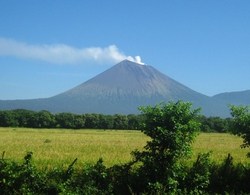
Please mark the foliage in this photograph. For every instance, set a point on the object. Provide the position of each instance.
(120, 122)
(241, 124)
(172, 128)
(203, 177)
(197, 178)
(20, 178)
(69, 120)
(45, 119)
(93, 179)
(228, 177)
(214, 124)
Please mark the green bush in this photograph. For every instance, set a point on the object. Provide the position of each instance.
(172, 128)
(230, 178)
(20, 179)
(197, 177)
(241, 124)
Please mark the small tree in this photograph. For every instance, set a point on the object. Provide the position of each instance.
(172, 128)
(241, 124)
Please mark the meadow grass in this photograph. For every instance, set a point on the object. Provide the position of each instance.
(220, 145)
(53, 147)
(59, 147)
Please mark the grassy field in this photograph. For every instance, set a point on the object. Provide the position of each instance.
(61, 147)
(221, 144)
(58, 148)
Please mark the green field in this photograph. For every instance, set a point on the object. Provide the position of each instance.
(58, 148)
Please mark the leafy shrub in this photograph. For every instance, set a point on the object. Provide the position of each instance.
(230, 178)
(241, 124)
(172, 128)
(93, 179)
(17, 179)
(198, 176)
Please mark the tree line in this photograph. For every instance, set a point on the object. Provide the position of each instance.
(46, 119)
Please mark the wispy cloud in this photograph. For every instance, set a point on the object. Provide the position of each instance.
(63, 54)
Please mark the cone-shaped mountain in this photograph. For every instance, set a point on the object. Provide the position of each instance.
(126, 86)
(129, 79)
(122, 89)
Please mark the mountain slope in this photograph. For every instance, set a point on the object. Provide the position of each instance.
(122, 89)
(129, 78)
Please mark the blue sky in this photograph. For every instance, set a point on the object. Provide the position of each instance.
(48, 47)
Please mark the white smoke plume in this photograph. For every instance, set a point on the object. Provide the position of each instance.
(63, 54)
(138, 60)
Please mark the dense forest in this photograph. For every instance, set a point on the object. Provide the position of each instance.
(45, 119)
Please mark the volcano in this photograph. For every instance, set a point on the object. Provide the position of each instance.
(121, 89)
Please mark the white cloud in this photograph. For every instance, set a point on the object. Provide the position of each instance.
(63, 54)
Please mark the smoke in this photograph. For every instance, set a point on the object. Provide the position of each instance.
(138, 60)
(63, 54)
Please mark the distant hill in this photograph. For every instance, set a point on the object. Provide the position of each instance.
(122, 89)
(235, 98)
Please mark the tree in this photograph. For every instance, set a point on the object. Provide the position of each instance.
(120, 121)
(24, 117)
(214, 124)
(105, 121)
(134, 121)
(91, 121)
(241, 124)
(45, 119)
(65, 120)
(79, 121)
(172, 128)
(8, 119)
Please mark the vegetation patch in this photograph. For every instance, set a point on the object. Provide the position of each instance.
(163, 164)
